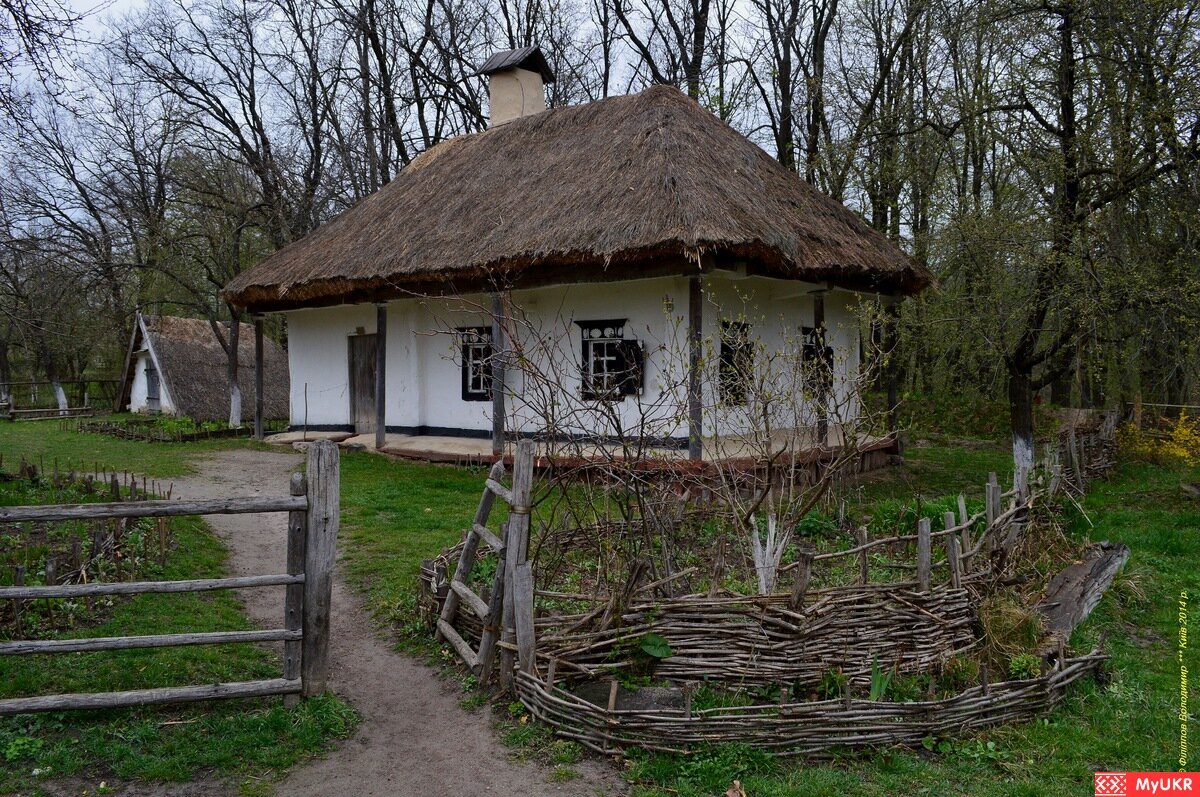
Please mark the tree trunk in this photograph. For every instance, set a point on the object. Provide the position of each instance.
(1020, 402)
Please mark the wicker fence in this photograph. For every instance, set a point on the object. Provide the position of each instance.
(583, 647)
(811, 728)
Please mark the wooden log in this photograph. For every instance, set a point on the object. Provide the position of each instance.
(25, 647)
(952, 556)
(293, 601)
(500, 490)
(380, 375)
(517, 546)
(466, 558)
(695, 392)
(860, 538)
(1075, 591)
(495, 610)
(472, 600)
(965, 545)
(450, 634)
(218, 506)
(522, 592)
(804, 559)
(320, 550)
(491, 539)
(498, 363)
(140, 587)
(924, 554)
(148, 697)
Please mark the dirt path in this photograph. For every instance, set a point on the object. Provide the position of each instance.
(414, 738)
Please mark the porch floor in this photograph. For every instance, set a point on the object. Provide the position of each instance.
(477, 451)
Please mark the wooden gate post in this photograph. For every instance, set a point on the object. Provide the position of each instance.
(293, 607)
(319, 554)
(516, 548)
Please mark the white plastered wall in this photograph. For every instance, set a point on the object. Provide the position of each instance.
(424, 381)
(139, 388)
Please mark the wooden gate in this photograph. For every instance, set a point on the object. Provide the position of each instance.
(312, 508)
(362, 383)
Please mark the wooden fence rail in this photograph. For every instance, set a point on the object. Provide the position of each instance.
(312, 507)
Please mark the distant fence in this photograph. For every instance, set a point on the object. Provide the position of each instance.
(152, 430)
(36, 400)
(312, 507)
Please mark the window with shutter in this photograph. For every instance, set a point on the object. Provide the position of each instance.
(476, 346)
(612, 365)
(736, 369)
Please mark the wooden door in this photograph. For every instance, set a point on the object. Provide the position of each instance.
(153, 403)
(362, 383)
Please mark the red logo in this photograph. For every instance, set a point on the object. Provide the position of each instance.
(1147, 784)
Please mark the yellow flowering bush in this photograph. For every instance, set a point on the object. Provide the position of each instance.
(1179, 445)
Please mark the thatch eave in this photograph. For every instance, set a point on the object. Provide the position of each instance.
(569, 269)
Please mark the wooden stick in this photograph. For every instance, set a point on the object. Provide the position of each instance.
(952, 552)
(140, 587)
(293, 601)
(148, 697)
(219, 506)
(24, 647)
(924, 554)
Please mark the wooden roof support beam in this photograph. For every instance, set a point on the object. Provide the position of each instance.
(380, 375)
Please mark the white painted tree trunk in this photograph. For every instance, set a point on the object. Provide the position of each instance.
(60, 395)
(1022, 461)
(235, 405)
(768, 553)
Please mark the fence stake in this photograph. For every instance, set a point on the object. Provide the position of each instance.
(924, 554)
(952, 552)
(804, 558)
(515, 548)
(320, 549)
(522, 593)
(860, 538)
(967, 543)
(293, 606)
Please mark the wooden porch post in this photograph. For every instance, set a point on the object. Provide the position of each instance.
(822, 398)
(380, 374)
(258, 376)
(499, 356)
(694, 398)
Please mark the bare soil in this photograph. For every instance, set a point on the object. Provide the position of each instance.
(414, 738)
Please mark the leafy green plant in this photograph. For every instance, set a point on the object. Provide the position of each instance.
(1025, 665)
(833, 684)
(655, 646)
(22, 747)
(881, 679)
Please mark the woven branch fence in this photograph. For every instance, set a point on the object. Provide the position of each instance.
(812, 729)
(749, 644)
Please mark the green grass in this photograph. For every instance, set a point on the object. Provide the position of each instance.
(251, 741)
(394, 514)
(43, 442)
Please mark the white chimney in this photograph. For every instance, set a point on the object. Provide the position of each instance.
(516, 83)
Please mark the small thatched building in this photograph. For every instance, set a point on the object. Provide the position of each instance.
(611, 223)
(176, 366)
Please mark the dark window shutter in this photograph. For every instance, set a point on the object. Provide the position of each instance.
(632, 367)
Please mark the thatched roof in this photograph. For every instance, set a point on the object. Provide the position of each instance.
(640, 185)
(191, 363)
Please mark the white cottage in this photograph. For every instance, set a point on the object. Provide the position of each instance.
(572, 272)
(175, 366)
